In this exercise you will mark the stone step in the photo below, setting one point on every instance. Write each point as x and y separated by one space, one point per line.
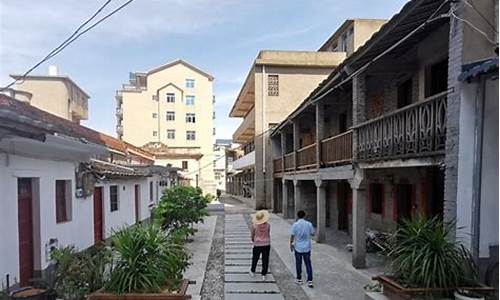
239 262
237 256
247 278
251 288
253 297
240 269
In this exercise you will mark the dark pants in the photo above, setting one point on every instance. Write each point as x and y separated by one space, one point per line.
307 261
257 250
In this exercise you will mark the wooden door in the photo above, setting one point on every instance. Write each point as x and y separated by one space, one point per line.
404 194
343 206
137 203
98 222
25 227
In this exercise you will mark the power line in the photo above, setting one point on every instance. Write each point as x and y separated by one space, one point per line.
74 36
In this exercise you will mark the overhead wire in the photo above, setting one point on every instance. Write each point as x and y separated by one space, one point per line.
73 37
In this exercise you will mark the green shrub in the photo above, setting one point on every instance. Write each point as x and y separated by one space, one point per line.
146 260
78 274
424 256
181 206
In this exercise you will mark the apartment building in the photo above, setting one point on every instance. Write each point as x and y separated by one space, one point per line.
53 93
393 130
220 162
169 110
275 85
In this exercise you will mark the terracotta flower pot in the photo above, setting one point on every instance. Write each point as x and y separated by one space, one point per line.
180 295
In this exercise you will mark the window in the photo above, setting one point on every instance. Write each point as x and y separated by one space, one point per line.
184 164
113 198
190 83
436 78
344 42
190 118
63 201
170 97
213 133
150 191
189 100
273 87
404 93
190 135
155 115
170 115
376 198
213 115
171 134
155 133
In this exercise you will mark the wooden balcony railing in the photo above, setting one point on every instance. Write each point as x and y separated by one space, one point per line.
289 161
337 149
278 165
416 130
306 157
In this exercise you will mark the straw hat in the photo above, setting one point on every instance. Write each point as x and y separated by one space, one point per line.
260 217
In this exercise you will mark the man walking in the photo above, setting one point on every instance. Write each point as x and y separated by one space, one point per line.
300 242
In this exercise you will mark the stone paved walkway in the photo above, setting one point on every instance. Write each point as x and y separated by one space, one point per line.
237 260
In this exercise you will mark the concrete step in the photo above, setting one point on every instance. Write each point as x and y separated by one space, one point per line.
247 278
253 297
251 288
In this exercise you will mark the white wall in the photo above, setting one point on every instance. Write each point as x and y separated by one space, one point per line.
47 172
80 230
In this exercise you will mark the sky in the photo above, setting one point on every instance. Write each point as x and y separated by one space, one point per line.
222 37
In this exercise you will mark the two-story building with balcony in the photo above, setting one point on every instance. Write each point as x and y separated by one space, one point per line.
276 84
377 141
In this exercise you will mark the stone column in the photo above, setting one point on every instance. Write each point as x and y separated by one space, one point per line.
284 193
359 199
320 130
297 196
321 209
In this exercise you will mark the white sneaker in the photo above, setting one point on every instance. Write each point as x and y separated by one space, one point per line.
298 281
264 277
310 284
252 274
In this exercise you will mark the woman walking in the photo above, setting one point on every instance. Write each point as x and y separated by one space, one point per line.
261 238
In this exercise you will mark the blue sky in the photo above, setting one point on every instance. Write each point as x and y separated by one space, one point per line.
221 37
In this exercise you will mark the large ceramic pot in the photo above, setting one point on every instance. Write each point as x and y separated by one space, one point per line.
179 295
30 293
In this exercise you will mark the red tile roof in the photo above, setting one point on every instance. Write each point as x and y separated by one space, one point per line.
25 113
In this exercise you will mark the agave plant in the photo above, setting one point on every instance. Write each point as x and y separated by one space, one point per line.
146 260
424 256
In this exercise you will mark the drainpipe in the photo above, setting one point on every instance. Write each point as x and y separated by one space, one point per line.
264 127
476 172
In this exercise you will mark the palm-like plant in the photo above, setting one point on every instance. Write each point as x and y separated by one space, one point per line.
424 256
147 260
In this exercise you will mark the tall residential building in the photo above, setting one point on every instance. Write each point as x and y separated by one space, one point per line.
220 162
169 111
277 83
53 93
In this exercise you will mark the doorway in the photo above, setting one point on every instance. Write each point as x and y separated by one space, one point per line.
343 190
25 228
98 216
404 196
137 201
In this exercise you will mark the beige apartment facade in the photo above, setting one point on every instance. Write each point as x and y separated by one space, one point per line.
170 111
53 93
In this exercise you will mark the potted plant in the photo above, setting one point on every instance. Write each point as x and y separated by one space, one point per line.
148 263
426 262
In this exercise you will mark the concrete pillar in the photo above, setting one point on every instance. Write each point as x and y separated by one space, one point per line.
358 108
283 149
320 130
321 210
359 200
284 193
297 193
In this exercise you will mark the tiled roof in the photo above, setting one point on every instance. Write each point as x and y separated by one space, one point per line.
27 114
111 170
473 70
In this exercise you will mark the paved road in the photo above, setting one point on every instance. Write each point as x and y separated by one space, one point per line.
237 260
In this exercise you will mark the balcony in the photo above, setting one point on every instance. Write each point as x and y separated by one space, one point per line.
289 161
246 131
119 130
306 157
413 131
245 161
337 149
278 165
119 112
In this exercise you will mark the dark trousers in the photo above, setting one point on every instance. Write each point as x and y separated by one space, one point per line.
257 250
306 256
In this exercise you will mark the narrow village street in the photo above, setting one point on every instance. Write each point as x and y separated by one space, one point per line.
230 255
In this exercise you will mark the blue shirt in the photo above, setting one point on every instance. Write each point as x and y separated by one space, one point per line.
302 231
